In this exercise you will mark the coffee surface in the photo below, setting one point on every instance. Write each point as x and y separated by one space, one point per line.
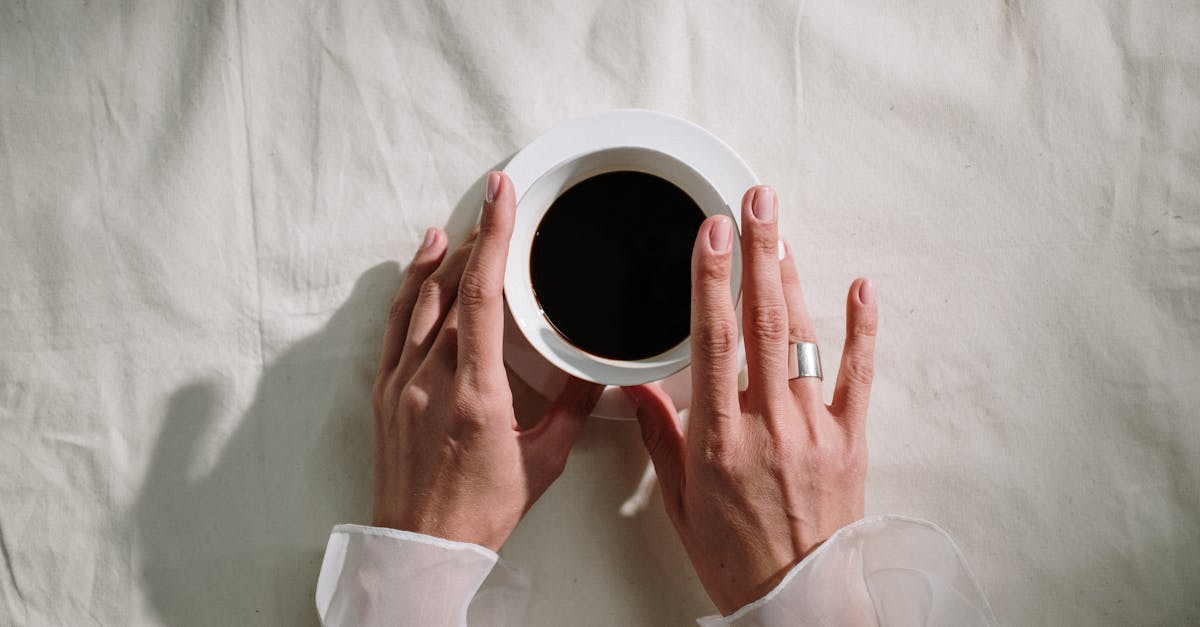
611 264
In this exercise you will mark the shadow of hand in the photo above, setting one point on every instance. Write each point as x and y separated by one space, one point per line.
236 537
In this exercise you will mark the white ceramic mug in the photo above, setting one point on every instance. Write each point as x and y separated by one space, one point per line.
518 288
692 158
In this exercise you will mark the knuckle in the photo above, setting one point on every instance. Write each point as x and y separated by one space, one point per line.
466 407
714 270
711 398
473 290
763 242
866 326
860 370
474 400
839 456
716 338
769 322
413 402
826 450
722 455
431 289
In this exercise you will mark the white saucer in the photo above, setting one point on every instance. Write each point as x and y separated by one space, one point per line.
696 147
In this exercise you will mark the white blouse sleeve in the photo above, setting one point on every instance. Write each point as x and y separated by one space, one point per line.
373 576
883 570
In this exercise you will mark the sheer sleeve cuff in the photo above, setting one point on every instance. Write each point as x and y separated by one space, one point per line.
882 570
377 576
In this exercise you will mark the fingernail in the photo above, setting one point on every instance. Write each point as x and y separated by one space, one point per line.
866 292
720 235
764 204
493 186
430 237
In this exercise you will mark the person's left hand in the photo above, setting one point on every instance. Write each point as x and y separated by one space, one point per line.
762 476
450 459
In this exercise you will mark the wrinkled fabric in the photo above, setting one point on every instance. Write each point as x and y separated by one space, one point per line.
205 208
889 571
376 577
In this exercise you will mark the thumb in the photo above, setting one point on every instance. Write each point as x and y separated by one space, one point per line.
663 438
551 439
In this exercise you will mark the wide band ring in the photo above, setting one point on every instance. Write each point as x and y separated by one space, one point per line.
804 360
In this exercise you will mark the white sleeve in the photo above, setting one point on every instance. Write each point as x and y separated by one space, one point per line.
373 576
883 570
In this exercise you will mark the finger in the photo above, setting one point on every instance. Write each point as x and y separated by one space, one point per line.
800 326
853 389
764 313
714 325
481 291
427 259
435 296
663 439
551 439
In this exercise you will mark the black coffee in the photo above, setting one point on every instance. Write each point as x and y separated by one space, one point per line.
611 264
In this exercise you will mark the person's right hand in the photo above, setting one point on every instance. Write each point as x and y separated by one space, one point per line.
450 459
764 476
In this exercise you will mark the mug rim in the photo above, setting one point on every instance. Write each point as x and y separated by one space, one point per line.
682 138
522 302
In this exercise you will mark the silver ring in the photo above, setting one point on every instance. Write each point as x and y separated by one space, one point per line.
804 360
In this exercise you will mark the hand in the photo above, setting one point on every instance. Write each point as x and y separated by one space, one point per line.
450 460
762 477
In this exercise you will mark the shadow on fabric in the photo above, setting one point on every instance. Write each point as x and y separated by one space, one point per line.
241 543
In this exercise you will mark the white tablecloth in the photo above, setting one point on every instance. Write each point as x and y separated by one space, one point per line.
204 207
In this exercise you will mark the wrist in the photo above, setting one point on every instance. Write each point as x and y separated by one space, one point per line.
736 590
474 533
